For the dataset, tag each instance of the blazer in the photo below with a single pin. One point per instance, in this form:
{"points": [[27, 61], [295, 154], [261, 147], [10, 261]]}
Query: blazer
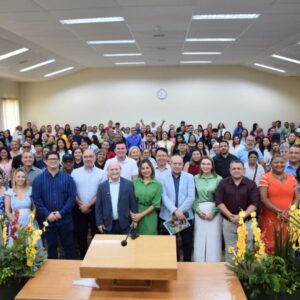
{"points": [[126, 203], [186, 195]]}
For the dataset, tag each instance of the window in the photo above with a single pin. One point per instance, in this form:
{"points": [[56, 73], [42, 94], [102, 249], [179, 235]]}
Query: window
{"points": [[10, 113]]}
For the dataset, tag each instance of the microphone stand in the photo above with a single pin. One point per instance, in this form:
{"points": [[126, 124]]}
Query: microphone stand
{"points": [[124, 242]]}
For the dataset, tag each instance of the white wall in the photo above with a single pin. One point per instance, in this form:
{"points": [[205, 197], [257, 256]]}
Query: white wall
{"points": [[195, 94]]}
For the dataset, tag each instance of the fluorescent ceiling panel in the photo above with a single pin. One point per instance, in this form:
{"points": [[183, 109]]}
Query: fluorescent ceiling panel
{"points": [[121, 54], [195, 62], [270, 68], [59, 71], [110, 42], [92, 20], [286, 58], [210, 40], [38, 65], [13, 53], [131, 63], [226, 17], [201, 53]]}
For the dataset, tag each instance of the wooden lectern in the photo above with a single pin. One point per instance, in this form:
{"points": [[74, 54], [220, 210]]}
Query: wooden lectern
{"points": [[144, 259]]}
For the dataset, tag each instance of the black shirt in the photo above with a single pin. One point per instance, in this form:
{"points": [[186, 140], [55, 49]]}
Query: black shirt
{"points": [[222, 164]]}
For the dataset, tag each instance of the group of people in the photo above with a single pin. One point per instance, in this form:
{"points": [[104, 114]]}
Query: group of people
{"points": [[111, 180]]}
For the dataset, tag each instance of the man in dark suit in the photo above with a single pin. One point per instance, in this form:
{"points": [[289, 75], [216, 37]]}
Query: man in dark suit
{"points": [[115, 200]]}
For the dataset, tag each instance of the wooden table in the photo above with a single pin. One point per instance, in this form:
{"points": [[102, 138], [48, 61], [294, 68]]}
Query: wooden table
{"points": [[199, 281], [149, 257]]}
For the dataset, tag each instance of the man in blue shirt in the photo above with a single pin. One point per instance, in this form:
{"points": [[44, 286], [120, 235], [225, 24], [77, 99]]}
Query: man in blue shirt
{"points": [[54, 194], [238, 130], [134, 139], [294, 160], [242, 155]]}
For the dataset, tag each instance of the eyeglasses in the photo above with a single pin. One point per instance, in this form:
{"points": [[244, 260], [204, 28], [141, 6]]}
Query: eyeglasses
{"points": [[26, 147], [53, 159]]}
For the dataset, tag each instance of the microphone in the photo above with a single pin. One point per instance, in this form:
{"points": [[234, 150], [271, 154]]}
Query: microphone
{"points": [[124, 242]]}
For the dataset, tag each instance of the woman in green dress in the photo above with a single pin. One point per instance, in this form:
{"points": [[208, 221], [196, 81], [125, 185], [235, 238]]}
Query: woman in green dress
{"points": [[148, 193], [207, 226]]}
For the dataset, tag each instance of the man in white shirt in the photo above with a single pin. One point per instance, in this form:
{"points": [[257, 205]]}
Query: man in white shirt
{"points": [[87, 180], [129, 168], [162, 167], [115, 203]]}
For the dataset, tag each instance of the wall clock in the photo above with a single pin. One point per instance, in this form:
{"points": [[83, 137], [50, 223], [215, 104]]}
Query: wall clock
{"points": [[162, 94]]}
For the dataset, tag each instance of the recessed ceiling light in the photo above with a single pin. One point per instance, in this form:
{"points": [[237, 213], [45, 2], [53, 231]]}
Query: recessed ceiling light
{"points": [[225, 17], [210, 40], [122, 54], [58, 72], [286, 58], [195, 62], [91, 20], [201, 53], [131, 63], [108, 42], [13, 53], [38, 65], [270, 68]]}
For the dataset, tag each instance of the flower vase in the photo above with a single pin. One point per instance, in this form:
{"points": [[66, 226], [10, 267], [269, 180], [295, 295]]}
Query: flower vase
{"points": [[9, 292]]}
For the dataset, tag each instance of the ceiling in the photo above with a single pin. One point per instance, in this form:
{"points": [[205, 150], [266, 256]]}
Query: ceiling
{"points": [[159, 28]]}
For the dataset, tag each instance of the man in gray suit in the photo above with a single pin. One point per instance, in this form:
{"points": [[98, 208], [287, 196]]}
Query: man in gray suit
{"points": [[115, 200], [177, 200]]}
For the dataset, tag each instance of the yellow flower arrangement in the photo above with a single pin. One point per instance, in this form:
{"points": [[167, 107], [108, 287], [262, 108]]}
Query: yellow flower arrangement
{"points": [[294, 226], [258, 242], [20, 256], [268, 275], [4, 233], [241, 246], [32, 240]]}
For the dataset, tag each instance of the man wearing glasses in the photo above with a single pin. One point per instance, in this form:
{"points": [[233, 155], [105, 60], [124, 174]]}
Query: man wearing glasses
{"points": [[54, 194], [17, 160]]}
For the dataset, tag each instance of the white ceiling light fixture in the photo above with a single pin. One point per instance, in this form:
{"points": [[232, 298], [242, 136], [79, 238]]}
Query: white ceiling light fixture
{"points": [[121, 54], [13, 53], [111, 42], [286, 58], [38, 65], [131, 63], [210, 40], [226, 17], [201, 53], [92, 20], [195, 62], [59, 71], [270, 68]]}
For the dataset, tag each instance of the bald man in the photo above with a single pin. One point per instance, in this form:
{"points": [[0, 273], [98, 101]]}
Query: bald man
{"points": [[115, 201], [87, 180], [177, 200]]}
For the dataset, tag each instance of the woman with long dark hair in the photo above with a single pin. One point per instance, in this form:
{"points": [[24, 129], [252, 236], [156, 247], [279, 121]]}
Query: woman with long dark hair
{"points": [[208, 226], [148, 193], [61, 148], [7, 138], [202, 148], [6, 162], [193, 166]]}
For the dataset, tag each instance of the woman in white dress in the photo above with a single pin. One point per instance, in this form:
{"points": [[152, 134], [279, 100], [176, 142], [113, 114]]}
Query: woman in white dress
{"points": [[208, 229]]}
